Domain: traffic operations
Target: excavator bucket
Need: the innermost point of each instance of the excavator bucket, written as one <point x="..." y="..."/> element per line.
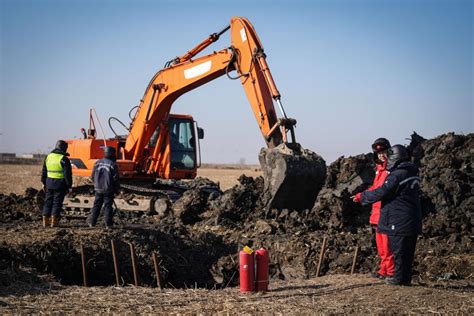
<point x="293" y="176"/>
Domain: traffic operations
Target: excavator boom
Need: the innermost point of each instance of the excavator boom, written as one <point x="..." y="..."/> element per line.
<point x="182" y="74"/>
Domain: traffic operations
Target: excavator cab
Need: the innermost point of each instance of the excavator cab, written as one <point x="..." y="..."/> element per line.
<point x="181" y="148"/>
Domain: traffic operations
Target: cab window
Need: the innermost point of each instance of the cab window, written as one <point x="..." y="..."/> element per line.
<point x="183" y="153"/>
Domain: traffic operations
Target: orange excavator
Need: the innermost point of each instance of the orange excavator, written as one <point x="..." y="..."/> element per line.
<point x="161" y="145"/>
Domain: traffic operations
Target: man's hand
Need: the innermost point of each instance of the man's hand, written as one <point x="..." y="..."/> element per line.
<point x="356" y="198"/>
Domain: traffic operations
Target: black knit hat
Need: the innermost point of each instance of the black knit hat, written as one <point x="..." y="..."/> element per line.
<point x="380" y="144"/>
<point x="109" y="152"/>
<point x="61" y="145"/>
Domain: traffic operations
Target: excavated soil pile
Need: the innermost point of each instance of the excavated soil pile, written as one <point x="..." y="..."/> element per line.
<point x="447" y="180"/>
<point x="23" y="208"/>
<point x="199" y="238"/>
<point x="294" y="237"/>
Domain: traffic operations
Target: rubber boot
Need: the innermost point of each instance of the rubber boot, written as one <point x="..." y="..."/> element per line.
<point x="45" y="221"/>
<point x="54" y="221"/>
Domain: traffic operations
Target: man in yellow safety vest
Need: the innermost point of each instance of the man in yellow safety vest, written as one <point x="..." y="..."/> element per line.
<point x="57" y="181"/>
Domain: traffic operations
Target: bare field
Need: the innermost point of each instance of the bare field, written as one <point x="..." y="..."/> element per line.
<point x="16" y="178"/>
<point x="227" y="178"/>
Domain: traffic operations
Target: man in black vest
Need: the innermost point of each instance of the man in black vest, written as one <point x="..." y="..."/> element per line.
<point x="57" y="181"/>
<point x="400" y="216"/>
<point x="106" y="183"/>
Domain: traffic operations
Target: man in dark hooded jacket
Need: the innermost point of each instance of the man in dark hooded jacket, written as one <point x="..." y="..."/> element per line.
<point x="106" y="183"/>
<point x="56" y="177"/>
<point x="400" y="216"/>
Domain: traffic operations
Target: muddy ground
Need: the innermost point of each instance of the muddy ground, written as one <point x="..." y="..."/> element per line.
<point x="197" y="242"/>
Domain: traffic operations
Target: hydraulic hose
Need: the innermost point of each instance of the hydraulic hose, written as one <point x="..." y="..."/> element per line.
<point x="231" y="61"/>
<point x="130" y="112"/>
<point x="112" y="118"/>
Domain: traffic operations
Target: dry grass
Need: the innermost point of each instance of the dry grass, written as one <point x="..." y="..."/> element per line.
<point x="358" y="294"/>
<point x="16" y="178"/>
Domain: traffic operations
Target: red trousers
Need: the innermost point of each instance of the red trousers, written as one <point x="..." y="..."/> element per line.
<point x="387" y="266"/>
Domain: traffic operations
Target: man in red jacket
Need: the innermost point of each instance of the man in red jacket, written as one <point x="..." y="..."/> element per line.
<point x="379" y="148"/>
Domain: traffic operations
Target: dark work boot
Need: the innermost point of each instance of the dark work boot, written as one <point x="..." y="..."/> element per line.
<point x="90" y="222"/>
<point x="392" y="281"/>
<point x="377" y="275"/>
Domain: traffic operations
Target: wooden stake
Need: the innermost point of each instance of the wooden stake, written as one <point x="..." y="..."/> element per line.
<point x="116" y="264"/>
<point x="157" y="270"/>
<point x="356" y="252"/>
<point x="134" y="264"/>
<point x="83" y="262"/>
<point x="321" y="255"/>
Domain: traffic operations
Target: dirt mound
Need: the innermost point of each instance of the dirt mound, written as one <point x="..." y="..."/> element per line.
<point x="447" y="182"/>
<point x="294" y="237"/>
<point x="334" y="208"/>
<point x="446" y="172"/>
<point x="19" y="208"/>
<point x="199" y="238"/>
<point x="240" y="203"/>
<point x="191" y="204"/>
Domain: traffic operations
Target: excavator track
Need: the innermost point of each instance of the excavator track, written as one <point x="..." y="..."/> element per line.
<point x="133" y="199"/>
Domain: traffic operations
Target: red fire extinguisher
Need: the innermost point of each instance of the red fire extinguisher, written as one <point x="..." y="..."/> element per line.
<point x="262" y="260"/>
<point x="247" y="277"/>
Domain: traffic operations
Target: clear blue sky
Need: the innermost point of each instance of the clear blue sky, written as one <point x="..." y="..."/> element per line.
<point x="348" y="71"/>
